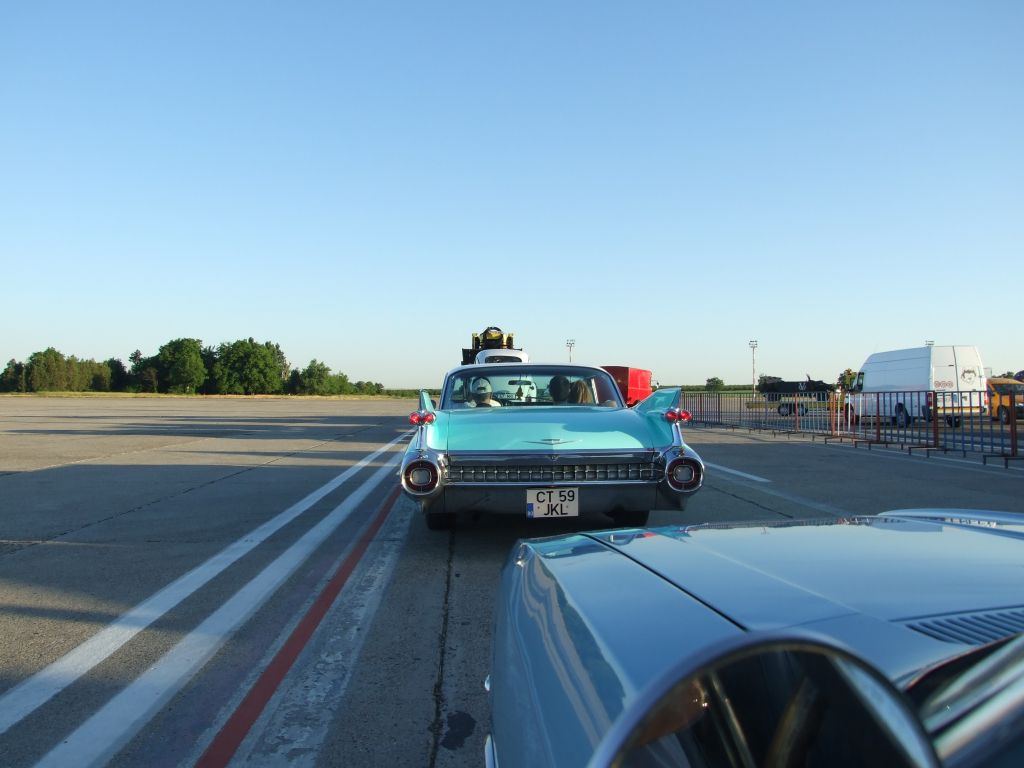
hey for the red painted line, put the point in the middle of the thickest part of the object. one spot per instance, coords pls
(228, 739)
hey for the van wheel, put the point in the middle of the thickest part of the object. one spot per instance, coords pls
(783, 410)
(902, 418)
(1004, 415)
(440, 521)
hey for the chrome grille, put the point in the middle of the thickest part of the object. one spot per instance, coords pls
(554, 473)
(972, 628)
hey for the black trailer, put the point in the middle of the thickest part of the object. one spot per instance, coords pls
(794, 395)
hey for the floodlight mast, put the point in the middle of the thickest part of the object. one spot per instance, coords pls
(753, 363)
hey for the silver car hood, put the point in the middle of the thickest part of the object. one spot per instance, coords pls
(896, 568)
(904, 590)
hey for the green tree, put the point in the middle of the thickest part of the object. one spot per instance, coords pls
(714, 384)
(79, 374)
(100, 376)
(136, 358)
(47, 371)
(209, 361)
(368, 387)
(119, 378)
(144, 375)
(245, 367)
(149, 379)
(283, 367)
(340, 385)
(315, 379)
(13, 378)
(181, 363)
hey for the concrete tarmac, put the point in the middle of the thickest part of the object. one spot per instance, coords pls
(104, 502)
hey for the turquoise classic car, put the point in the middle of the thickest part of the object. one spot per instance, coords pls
(547, 441)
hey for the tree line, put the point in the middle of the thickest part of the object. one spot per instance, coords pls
(184, 366)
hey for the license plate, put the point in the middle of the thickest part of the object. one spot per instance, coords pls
(553, 502)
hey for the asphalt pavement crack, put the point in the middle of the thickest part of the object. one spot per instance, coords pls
(749, 501)
(437, 727)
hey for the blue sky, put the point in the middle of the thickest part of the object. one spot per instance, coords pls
(369, 183)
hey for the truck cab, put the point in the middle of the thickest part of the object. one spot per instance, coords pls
(493, 345)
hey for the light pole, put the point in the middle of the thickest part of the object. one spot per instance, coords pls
(753, 364)
(570, 343)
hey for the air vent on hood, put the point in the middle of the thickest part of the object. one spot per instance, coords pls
(972, 628)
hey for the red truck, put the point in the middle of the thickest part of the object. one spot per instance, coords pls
(633, 383)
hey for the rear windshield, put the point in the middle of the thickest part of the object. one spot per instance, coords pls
(530, 386)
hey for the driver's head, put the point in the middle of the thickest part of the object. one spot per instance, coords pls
(481, 390)
(558, 387)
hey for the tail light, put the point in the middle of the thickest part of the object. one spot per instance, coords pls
(420, 476)
(417, 418)
(673, 415)
(683, 474)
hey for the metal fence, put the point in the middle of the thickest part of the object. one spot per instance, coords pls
(925, 421)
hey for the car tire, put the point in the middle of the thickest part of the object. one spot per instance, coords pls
(440, 521)
(783, 410)
(1004, 415)
(902, 419)
(631, 519)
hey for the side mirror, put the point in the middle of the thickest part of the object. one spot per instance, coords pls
(769, 700)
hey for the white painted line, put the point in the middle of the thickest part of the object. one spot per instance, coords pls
(33, 692)
(103, 734)
(296, 722)
(720, 468)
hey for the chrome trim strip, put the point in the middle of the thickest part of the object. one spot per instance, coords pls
(566, 457)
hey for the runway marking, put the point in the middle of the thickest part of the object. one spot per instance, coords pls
(227, 741)
(24, 698)
(101, 736)
(720, 468)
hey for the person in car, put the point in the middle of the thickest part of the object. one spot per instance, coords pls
(480, 394)
(558, 388)
(579, 392)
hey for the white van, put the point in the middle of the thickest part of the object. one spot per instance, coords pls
(920, 382)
